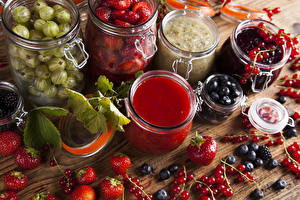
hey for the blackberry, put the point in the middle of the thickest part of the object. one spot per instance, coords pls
(8, 102)
(264, 153)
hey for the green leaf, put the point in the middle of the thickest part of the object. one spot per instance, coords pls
(124, 88)
(93, 121)
(55, 111)
(104, 85)
(77, 102)
(138, 74)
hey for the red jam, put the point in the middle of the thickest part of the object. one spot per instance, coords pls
(165, 106)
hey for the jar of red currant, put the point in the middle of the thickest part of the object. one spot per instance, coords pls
(121, 37)
(255, 53)
(267, 115)
(161, 105)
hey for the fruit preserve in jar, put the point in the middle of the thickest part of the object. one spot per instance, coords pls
(121, 37)
(254, 54)
(162, 106)
(45, 49)
(187, 44)
(221, 95)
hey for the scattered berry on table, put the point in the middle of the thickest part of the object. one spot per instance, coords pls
(272, 163)
(120, 163)
(83, 192)
(257, 194)
(15, 180)
(52, 163)
(264, 153)
(164, 174)
(27, 157)
(85, 176)
(8, 195)
(173, 168)
(161, 195)
(111, 188)
(249, 166)
(230, 159)
(242, 149)
(251, 156)
(290, 132)
(9, 142)
(68, 173)
(281, 99)
(43, 196)
(258, 162)
(253, 147)
(145, 169)
(279, 184)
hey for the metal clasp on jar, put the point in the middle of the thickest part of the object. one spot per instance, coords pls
(20, 119)
(188, 63)
(244, 105)
(67, 51)
(268, 78)
(199, 100)
(139, 47)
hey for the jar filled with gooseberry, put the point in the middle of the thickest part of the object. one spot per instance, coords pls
(45, 49)
(121, 37)
(254, 54)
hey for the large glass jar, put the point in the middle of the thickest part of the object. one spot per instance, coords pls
(119, 52)
(232, 58)
(161, 105)
(187, 44)
(43, 69)
(3, 51)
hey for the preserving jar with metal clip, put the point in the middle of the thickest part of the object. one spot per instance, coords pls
(43, 69)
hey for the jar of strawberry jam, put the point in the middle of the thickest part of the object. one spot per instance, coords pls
(254, 54)
(161, 105)
(268, 115)
(121, 37)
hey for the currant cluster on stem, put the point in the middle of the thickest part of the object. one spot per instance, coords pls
(293, 159)
(136, 188)
(68, 182)
(271, 12)
(180, 190)
(296, 65)
(291, 87)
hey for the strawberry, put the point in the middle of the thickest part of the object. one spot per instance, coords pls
(43, 196)
(113, 43)
(86, 176)
(131, 17)
(15, 180)
(141, 4)
(131, 66)
(119, 4)
(118, 14)
(120, 163)
(27, 157)
(8, 195)
(83, 192)
(111, 189)
(103, 13)
(130, 51)
(144, 13)
(202, 150)
(9, 142)
(122, 23)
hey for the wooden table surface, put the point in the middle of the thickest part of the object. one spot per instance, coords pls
(47, 177)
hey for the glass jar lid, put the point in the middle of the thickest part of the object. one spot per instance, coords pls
(268, 115)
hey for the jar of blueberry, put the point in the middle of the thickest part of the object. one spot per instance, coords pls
(221, 95)
(254, 54)
(11, 106)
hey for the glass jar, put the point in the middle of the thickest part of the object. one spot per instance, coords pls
(42, 69)
(213, 111)
(232, 59)
(83, 9)
(268, 115)
(119, 52)
(78, 141)
(153, 128)
(16, 117)
(3, 48)
(187, 50)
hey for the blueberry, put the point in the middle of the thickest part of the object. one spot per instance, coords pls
(272, 163)
(249, 166)
(257, 194)
(235, 92)
(251, 156)
(212, 85)
(230, 159)
(281, 99)
(225, 100)
(290, 132)
(214, 96)
(223, 79)
(258, 162)
(279, 184)
(242, 149)
(145, 169)
(224, 91)
(173, 168)
(253, 147)
(227, 83)
(161, 195)
(164, 174)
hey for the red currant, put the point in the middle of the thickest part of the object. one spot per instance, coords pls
(184, 195)
(211, 180)
(286, 162)
(68, 172)
(279, 141)
(241, 167)
(204, 190)
(204, 179)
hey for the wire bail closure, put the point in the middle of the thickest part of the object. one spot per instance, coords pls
(67, 51)
(187, 63)
(268, 78)
(139, 47)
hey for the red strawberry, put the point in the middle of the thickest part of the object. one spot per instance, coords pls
(27, 157)
(103, 13)
(112, 42)
(9, 142)
(141, 4)
(8, 195)
(83, 192)
(111, 189)
(119, 163)
(130, 52)
(118, 14)
(85, 176)
(131, 66)
(131, 17)
(144, 13)
(15, 180)
(43, 196)
(202, 150)
(122, 23)
(119, 4)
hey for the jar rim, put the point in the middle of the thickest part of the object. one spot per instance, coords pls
(212, 26)
(42, 44)
(174, 77)
(245, 58)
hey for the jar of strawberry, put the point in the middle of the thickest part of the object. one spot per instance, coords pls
(121, 37)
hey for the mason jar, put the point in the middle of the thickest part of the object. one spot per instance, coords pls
(43, 69)
(119, 52)
(3, 49)
(187, 42)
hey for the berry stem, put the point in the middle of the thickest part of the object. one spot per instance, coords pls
(138, 187)
(210, 190)
(225, 175)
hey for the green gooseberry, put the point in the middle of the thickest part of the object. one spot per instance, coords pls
(32, 62)
(13, 50)
(21, 14)
(64, 28)
(21, 31)
(32, 90)
(17, 63)
(36, 35)
(44, 58)
(38, 5)
(76, 74)
(62, 93)
(70, 83)
(41, 84)
(27, 74)
(46, 13)
(46, 53)
(57, 7)
(59, 77)
(39, 24)
(59, 52)
(60, 34)
(56, 64)
(25, 54)
(62, 15)
(50, 29)
(51, 91)
(70, 65)
(42, 72)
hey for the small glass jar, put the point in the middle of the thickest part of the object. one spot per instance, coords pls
(232, 59)
(78, 141)
(148, 136)
(213, 111)
(268, 115)
(193, 64)
(17, 116)
(43, 69)
(119, 52)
